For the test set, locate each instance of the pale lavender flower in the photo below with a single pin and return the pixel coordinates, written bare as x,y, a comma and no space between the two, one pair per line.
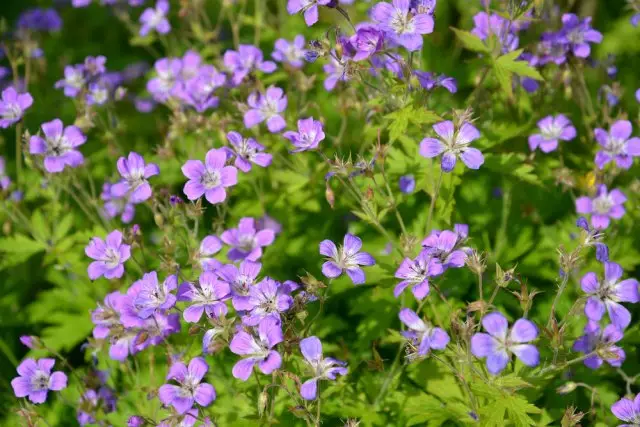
423,6
407,184
247,151
257,350
109,255
36,380
416,273
245,241
247,59
346,259
607,295
552,129
209,246
268,298
291,53
310,134
135,174
114,206
29,341
602,207
207,295
336,70
74,80
499,343
617,145
424,337
603,341
578,34
400,25
209,178
154,297
267,107
308,7
240,279
190,388
155,18
13,106
164,84
635,19
628,411
59,146
322,368
453,144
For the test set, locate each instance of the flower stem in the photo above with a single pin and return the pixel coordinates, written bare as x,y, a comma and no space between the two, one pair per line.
436,192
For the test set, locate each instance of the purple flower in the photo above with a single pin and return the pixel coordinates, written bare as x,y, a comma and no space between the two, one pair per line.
635,19
445,246
346,259
423,6
209,178
135,421
258,350
28,341
58,146
593,237
429,81
604,206
109,255
73,81
602,341
552,129
155,19
366,41
135,174
154,297
336,70
452,145
308,7
165,82
322,368
494,24
400,25
36,380
190,389
423,337
627,410
499,343
268,298
247,59
114,205
617,145
310,133
5,181
208,295
107,315
608,294
416,274
245,241
240,279
267,107
247,151
198,90
292,53
407,184
189,419
209,246
577,34
39,19
12,106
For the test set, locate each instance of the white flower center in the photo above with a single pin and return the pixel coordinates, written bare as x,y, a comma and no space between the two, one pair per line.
402,23
211,179
39,381
602,204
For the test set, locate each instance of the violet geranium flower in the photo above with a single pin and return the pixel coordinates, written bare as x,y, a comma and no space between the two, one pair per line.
268,298
109,255
604,341
607,295
627,410
258,350
240,279
416,273
308,7
292,53
604,206
424,337
246,242
155,18
267,107
367,41
310,133
13,106
207,295
209,246
577,34
499,343
58,146
322,368
135,173
346,259
445,246
407,184
453,144
209,178
247,59
190,388
617,145
247,151
552,129
36,380
403,27
154,297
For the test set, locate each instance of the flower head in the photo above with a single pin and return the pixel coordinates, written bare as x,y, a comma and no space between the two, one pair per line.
552,129
617,145
367,41
346,259
267,107
446,246
36,380
109,255
308,7
429,81
135,173
310,134
602,207
59,146
291,53
74,80
416,273
209,178
190,388
268,298
628,411
240,279
577,34
247,152
402,25
209,246
407,184
257,349
155,18
244,61
602,342
153,296
246,242
13,106
114,205
486,25
453,144
424,337
207,295
322,368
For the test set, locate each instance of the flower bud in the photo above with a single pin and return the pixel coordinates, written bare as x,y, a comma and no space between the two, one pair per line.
567,388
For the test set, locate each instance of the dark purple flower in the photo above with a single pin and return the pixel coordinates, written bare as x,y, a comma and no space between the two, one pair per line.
135,173
617,145
308,7
154,297
602,207
292,53
628,411
416,273
608,294
13,106
74,80
247,151
400,25
257,350
578,34
247,59
346,259
430,81
109,255
499,343
424,337
240,279
453,144
207,295
595,339
407,184
310,134
209,178
58,146
190,388
36,380
246,242
322,368
552,129
209,246
155,18
38,19
268,298
367,41
267,107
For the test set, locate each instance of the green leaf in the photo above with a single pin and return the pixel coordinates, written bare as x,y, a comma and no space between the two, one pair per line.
471,41
510,63
512,164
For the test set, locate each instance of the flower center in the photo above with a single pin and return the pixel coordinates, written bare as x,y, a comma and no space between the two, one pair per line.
111,258
57,146
211,179
246,242
241,285
402,23
12,112
39,381
552,132
602,205
615,146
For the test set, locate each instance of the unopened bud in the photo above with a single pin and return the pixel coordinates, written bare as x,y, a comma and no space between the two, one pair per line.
567,388
263,400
